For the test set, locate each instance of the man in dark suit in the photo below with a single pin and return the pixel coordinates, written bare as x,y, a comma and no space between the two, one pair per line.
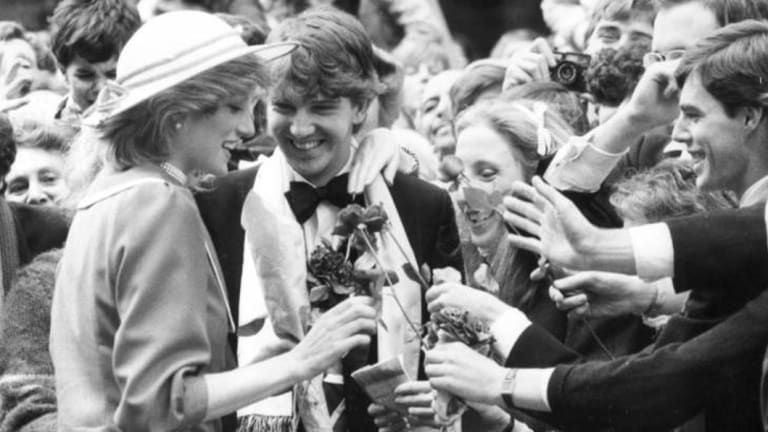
708,359
319,99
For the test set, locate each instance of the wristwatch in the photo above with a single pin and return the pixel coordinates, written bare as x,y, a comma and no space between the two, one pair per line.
508,388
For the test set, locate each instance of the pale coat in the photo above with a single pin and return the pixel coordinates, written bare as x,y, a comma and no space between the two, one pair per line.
139,313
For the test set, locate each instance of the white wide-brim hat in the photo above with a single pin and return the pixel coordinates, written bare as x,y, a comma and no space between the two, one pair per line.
169,49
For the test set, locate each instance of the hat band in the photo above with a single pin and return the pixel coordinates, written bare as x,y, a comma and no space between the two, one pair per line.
195,54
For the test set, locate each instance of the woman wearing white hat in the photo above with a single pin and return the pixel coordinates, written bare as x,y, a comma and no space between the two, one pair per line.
140,315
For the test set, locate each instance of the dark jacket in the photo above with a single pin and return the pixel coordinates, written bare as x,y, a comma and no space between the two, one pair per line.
27,231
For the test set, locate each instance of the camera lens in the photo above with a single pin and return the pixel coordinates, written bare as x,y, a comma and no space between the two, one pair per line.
567,73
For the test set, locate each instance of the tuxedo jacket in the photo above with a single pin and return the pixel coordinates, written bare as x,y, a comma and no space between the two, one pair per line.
705,360
425,210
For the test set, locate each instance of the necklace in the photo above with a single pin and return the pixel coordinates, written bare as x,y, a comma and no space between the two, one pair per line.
174,172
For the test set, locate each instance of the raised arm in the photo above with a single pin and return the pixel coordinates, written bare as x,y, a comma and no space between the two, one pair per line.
585,162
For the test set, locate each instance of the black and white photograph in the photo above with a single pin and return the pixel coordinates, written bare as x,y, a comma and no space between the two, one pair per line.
384,215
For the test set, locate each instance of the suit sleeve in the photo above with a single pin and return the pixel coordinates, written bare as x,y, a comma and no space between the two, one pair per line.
161,293
665,385
720,256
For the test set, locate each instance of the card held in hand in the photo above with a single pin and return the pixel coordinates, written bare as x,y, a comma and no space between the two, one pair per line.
380,380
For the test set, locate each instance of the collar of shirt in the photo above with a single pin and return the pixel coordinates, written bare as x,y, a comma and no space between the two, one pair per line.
755,194
322,222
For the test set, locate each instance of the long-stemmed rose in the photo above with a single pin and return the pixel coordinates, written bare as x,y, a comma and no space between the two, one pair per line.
342,267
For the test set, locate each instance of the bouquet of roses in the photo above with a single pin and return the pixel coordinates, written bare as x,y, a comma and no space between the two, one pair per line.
455,325
344,266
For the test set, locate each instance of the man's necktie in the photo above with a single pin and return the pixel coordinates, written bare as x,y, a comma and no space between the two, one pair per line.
304,198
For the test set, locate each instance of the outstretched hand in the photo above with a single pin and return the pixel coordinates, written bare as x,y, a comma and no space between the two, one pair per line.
459,370
564,234
602,294
347,325
378,152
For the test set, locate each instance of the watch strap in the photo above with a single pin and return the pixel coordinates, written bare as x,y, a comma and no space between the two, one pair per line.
508,387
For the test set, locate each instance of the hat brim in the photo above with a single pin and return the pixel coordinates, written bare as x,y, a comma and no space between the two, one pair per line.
114,99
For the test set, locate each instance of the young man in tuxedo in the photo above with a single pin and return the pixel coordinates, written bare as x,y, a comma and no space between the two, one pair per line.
708,359
318,100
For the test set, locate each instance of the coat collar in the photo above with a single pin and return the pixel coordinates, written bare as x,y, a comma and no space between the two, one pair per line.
110,182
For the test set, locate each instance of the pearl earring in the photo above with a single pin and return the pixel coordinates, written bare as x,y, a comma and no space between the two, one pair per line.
177,125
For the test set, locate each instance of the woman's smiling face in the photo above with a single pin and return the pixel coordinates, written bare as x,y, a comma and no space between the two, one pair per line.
491,164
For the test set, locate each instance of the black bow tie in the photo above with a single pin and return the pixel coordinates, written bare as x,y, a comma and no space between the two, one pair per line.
304,198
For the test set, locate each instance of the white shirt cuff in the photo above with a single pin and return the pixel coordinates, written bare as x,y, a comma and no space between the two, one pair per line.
507,330
653,251
530,391
580,165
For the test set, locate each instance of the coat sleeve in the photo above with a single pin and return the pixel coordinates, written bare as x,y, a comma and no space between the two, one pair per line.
161,278
665,385
720,257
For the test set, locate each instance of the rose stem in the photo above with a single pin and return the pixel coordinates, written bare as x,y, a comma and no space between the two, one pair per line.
349,246
391,285
416,270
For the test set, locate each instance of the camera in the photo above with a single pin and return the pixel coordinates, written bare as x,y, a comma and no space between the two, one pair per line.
569,70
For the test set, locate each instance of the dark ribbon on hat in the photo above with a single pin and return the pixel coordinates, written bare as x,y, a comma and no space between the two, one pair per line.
304,198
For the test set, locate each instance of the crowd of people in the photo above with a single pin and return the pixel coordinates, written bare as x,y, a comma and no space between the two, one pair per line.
241,219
